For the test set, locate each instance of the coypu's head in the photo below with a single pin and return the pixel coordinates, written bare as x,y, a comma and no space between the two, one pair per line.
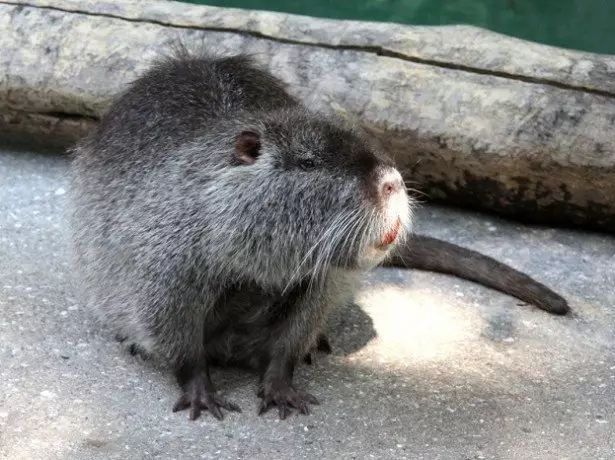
299,193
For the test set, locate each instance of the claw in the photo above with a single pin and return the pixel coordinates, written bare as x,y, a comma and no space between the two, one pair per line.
182,403
311,399
216,412
284,411
264,406
195,412
198,400
286,399
232,407
211,402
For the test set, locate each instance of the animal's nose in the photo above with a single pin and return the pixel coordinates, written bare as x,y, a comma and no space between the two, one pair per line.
391,182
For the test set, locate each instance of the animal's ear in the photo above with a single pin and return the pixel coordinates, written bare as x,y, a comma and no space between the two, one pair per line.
247,147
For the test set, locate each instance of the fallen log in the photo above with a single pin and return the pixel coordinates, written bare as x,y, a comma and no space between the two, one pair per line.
473,118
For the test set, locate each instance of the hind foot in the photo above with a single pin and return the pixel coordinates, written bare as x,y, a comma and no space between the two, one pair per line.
134,349
199,394
323,345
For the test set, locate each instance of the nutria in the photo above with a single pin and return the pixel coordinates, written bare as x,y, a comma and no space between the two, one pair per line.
217,220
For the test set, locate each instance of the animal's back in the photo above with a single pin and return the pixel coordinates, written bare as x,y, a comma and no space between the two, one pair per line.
178,98
136,167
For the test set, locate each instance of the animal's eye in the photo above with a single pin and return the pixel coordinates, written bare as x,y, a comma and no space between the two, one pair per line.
307,163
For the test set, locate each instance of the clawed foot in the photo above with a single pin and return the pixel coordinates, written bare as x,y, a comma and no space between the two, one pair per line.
197,398
286,398
323,345
133,348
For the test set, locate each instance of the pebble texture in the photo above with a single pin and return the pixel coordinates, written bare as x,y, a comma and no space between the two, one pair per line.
426,366
474,118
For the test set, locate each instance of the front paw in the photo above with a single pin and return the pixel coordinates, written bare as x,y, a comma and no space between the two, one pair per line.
197,398
285,398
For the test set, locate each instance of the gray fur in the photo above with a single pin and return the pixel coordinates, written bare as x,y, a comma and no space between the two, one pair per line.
199,253
199,259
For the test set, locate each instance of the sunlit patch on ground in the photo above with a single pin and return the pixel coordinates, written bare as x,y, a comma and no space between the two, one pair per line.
415,324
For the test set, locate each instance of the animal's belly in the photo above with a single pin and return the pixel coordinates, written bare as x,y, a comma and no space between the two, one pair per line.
245,327
242,345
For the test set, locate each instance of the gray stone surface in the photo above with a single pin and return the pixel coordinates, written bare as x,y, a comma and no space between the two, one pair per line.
426,366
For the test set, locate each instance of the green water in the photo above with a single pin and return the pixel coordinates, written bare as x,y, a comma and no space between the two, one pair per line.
587,25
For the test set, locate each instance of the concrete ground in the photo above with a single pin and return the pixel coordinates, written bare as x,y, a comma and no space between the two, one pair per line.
426,366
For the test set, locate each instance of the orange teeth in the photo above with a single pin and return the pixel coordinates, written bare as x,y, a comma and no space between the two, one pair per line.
391,236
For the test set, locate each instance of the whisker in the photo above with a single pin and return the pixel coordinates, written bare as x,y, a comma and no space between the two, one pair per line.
325,236
305,258
324,257
359,230
416,191
346,229
348,243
